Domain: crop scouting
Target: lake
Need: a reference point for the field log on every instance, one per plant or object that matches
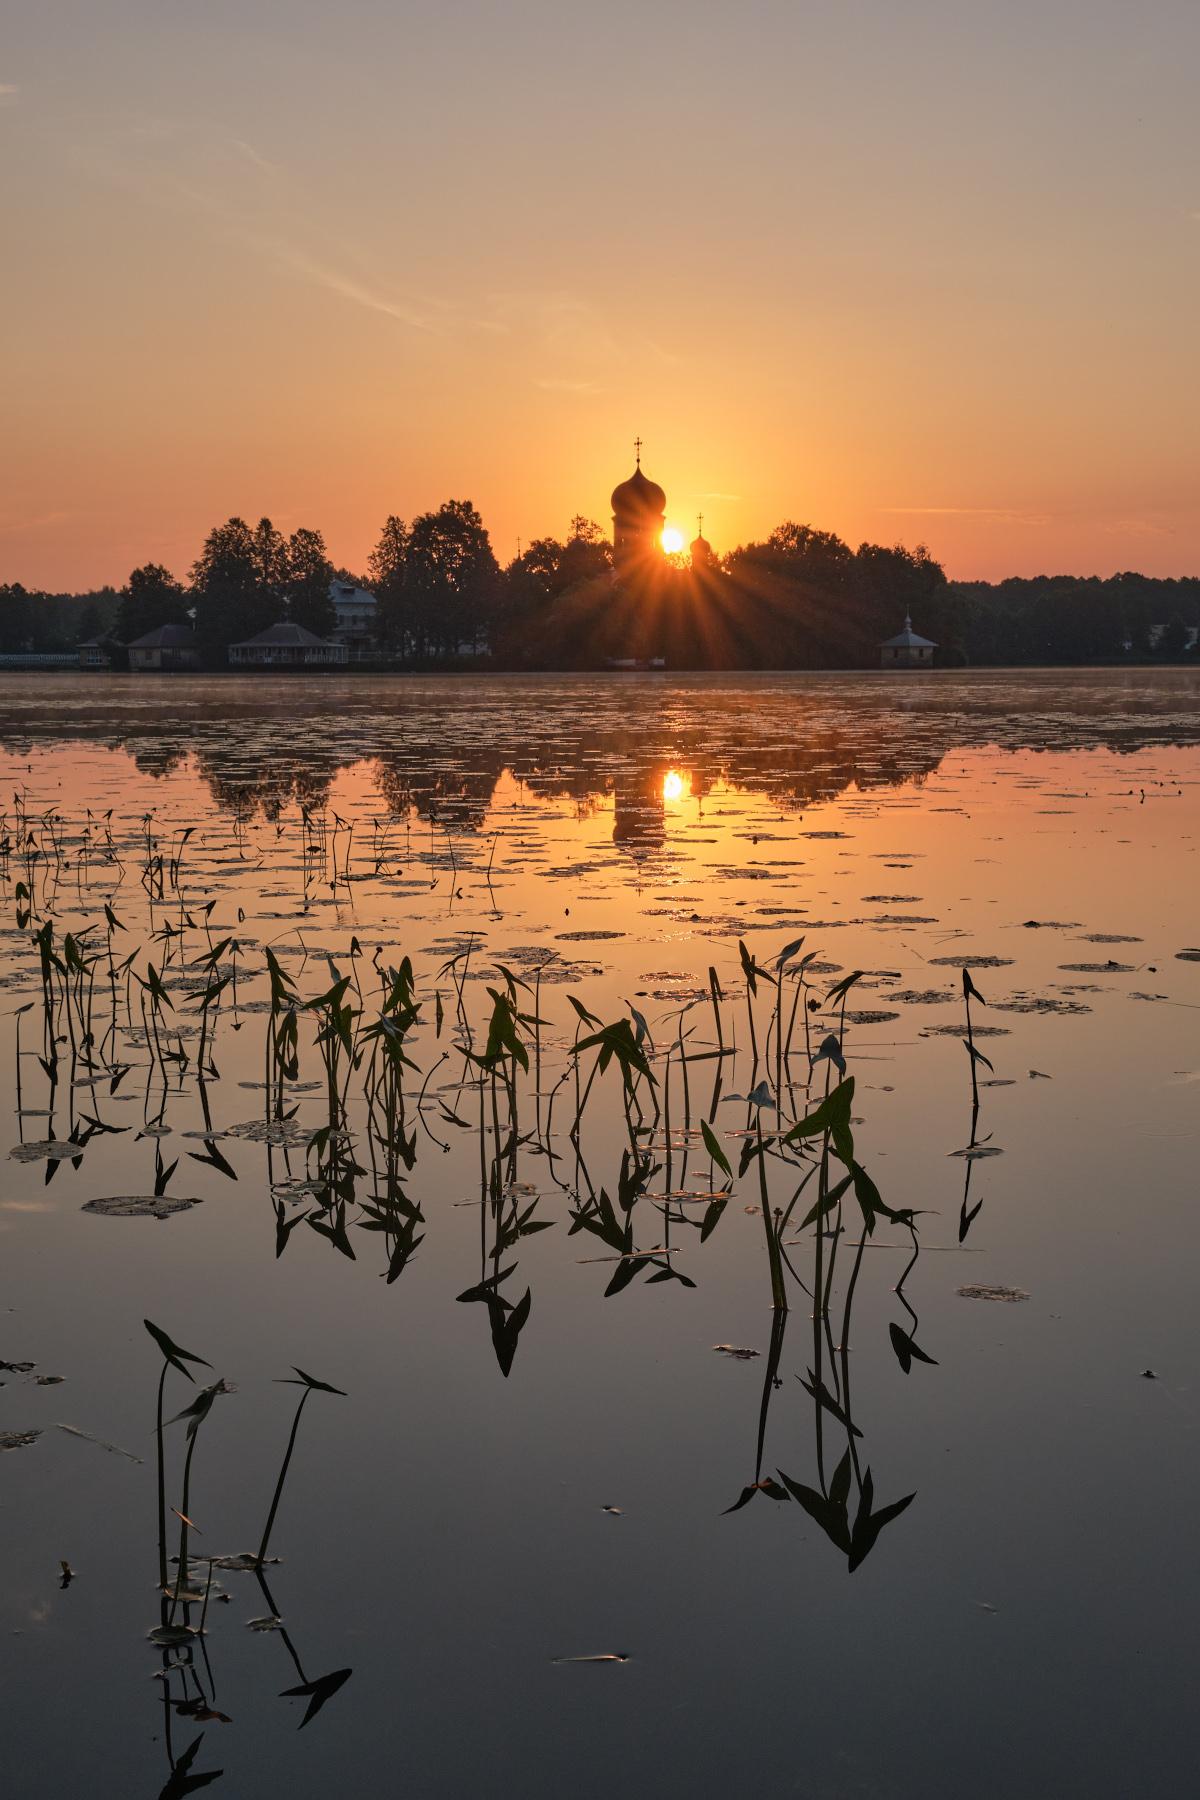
(633, 1482)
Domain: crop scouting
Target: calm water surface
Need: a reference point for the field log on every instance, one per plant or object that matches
(450, 1532)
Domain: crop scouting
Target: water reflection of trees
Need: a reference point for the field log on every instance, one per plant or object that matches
(441, 748)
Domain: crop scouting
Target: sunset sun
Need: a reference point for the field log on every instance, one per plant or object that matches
(672, 539)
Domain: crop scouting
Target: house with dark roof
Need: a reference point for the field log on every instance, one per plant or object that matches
(906, 650)
(101, 653)
(170, 647)
(287, 645)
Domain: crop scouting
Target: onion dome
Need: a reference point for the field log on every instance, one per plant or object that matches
(638, 495)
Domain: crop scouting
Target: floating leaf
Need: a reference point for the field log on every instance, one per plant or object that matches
(981, 1291)
(605, 1656)
(139, 1206)
(171, 1636)
(45, 1150)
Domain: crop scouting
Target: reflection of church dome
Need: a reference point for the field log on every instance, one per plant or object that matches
(639, 813)
(638, 495)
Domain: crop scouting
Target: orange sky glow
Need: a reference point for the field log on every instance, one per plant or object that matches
(921, 274)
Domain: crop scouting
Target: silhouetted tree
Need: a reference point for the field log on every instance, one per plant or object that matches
(231, 600)
(386, 570)
(536, 579)
(271, 566)
(150, 598)
(91, 622)
(308, 575)
(452, 579)
(16, 620)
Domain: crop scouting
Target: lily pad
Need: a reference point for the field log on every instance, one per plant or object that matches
(17, 1440)
(45, 1150)
(139, 1206)
(280, 1134)
(981, 1291)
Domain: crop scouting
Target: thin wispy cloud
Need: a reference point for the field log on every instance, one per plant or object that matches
(567, 337)
(11, 524)
(1135, 527)
(1002, 513)
(264, 226)
(253, 156)
(346, 287)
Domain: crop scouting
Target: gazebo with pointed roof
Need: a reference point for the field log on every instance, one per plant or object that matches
(287, 645)
(906, 650)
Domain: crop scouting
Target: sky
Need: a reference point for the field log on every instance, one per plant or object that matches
(919, 273)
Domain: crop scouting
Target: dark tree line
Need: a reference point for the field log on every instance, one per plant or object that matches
(46, 623)
(801, 598)
(1070, 618)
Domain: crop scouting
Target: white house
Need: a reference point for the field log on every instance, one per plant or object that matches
(357, 612)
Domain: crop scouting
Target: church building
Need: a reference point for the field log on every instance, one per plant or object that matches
(906, 650)
(639, 514)
(701, 550)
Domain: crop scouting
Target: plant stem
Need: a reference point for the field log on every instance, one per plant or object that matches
(162, 1484)
(262, 1548)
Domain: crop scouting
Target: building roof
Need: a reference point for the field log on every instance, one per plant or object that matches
(285, 634)
(165, 637)
(348, 593)
(907, 639)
